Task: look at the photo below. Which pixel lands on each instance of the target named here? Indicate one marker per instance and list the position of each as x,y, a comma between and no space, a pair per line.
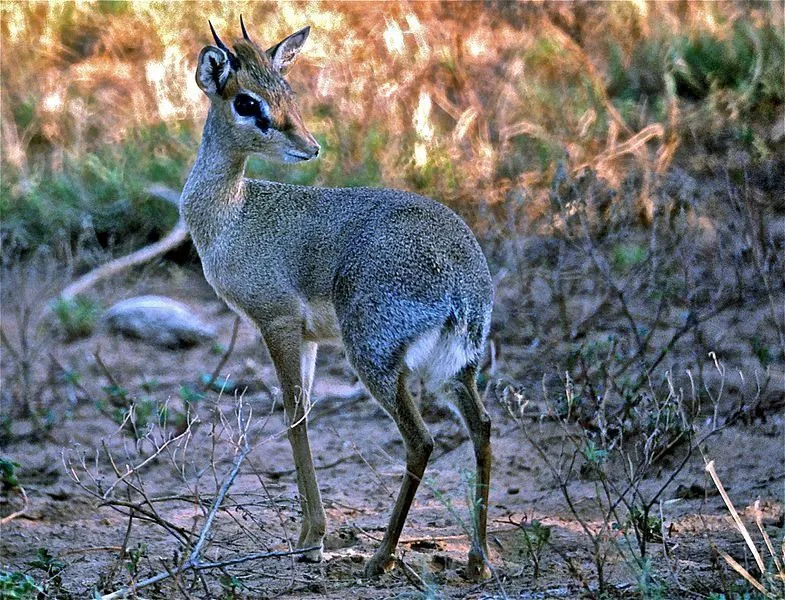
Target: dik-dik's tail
440,353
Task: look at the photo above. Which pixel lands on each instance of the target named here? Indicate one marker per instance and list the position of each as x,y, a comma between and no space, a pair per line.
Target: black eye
246,106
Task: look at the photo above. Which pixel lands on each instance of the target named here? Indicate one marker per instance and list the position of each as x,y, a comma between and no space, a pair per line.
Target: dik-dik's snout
304,146
311,147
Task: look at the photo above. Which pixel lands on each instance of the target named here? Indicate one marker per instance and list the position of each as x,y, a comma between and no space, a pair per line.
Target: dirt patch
359,457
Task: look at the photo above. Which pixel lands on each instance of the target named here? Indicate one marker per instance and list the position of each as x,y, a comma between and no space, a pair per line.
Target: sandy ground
359,457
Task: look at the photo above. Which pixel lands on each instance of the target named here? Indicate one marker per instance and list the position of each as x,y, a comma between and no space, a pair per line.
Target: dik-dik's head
251,98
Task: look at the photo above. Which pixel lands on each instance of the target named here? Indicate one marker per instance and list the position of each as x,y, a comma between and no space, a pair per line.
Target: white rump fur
437,356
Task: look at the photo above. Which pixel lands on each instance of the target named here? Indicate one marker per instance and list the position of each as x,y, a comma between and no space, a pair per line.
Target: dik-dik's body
397,278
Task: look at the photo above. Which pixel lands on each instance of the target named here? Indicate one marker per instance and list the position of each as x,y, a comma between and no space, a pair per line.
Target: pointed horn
242,26
233,61
218,41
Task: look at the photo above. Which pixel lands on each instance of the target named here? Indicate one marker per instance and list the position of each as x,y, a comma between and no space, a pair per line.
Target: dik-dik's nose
312,147
305,145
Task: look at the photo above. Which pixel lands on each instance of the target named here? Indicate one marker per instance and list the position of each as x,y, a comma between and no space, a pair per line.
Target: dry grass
463,101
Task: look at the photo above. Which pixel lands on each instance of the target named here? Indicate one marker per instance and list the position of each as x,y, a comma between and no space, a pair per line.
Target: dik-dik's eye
247,106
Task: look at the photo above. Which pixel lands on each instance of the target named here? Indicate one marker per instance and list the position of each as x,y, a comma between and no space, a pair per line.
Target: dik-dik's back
398,278
381,268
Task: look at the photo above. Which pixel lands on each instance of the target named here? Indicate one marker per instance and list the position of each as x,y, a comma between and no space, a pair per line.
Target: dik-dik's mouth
297,156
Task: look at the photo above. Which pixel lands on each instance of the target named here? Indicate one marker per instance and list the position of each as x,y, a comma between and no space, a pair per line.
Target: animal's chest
260,300
319,321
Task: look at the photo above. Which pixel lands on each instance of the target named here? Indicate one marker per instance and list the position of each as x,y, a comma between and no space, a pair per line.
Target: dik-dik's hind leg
294,363
419,445
479,424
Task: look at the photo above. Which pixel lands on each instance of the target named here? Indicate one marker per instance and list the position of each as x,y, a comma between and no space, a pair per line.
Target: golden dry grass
464,101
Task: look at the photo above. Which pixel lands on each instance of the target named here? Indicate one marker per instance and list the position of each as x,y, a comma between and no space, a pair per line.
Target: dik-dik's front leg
294,362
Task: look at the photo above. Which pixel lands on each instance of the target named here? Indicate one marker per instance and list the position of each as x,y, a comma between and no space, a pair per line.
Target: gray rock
158,320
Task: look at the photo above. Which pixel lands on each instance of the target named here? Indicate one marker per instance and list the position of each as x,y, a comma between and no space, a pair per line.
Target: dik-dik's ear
285,51
213,70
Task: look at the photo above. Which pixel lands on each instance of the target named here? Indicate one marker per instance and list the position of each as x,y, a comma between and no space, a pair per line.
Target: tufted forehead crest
251,57
255,72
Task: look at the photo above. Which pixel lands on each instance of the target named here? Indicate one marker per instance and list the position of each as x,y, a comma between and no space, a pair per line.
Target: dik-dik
398,279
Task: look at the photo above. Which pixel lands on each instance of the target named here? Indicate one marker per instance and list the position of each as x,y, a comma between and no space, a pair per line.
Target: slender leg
419,445
478,423
294,362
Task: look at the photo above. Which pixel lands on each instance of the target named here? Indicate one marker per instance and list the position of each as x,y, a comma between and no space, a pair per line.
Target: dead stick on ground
412,575
18,513
190,565
174,238
735,515
100,362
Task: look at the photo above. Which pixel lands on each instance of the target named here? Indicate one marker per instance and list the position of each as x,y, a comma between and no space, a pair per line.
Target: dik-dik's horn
242,26
232,58
218,41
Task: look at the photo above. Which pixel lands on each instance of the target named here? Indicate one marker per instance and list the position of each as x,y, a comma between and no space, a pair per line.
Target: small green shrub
52,568
145,410
231,586
15,585
77,316
648,527
534,537
47,563
628,255
104,191
219,384
8,477
190,395
762,351
134,557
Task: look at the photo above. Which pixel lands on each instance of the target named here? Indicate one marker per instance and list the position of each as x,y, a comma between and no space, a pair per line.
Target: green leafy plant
15,585
649,527
134,557
77,316
116,395
219,383
145,409
629,255
52,567
593,453
140,415
230,586
5,429
190,395
150,385
8,477
762,351
534,538
46,562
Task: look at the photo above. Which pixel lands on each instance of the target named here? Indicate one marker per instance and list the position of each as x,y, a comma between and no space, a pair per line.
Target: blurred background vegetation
622,164
472,103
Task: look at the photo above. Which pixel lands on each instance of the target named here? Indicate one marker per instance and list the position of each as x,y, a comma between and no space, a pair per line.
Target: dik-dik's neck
213,191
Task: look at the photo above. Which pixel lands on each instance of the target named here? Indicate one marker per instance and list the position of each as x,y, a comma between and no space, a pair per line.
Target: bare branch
174,238
216,372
